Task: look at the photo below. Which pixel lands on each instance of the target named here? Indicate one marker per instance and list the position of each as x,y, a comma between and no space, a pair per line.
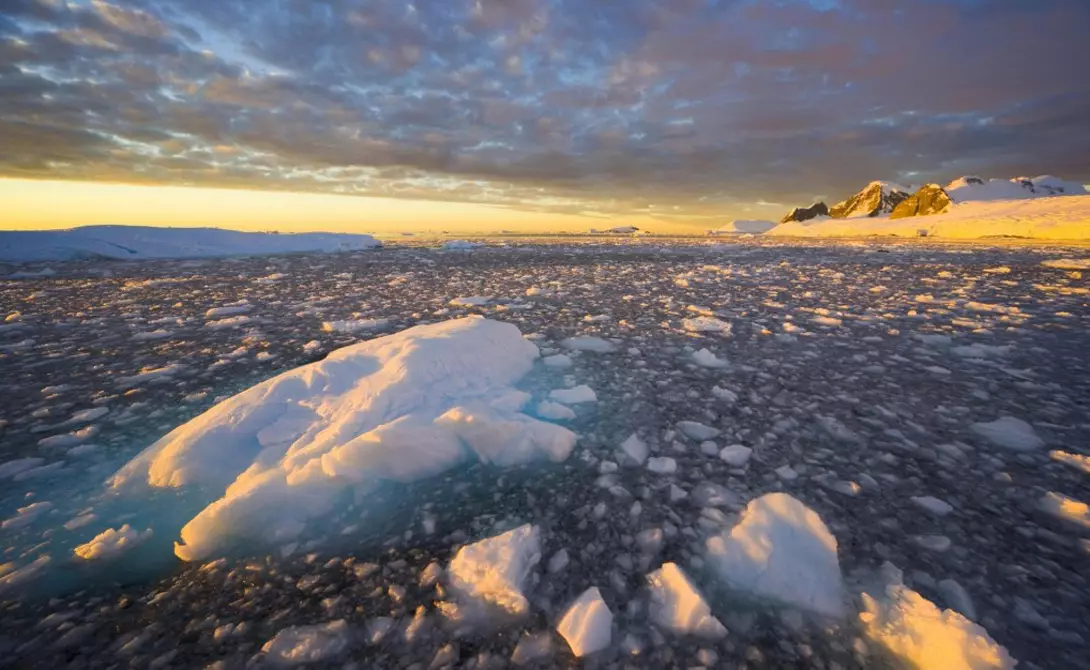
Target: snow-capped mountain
970,188
877,198
930,199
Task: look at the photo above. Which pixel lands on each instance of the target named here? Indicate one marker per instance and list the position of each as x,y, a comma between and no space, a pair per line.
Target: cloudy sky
685,111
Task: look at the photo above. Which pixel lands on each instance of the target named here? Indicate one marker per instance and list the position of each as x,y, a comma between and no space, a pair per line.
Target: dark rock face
973,180
930,199
877,198
807,213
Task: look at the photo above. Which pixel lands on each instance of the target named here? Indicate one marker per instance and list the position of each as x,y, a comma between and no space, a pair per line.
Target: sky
375,115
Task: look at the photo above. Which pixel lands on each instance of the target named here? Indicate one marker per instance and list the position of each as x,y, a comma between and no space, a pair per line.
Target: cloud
698,107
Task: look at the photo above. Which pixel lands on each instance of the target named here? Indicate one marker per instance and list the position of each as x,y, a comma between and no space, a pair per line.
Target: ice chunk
933,505
1009,433
1077,461
662,465
697,431
354,325
706,324
923,636
554,411
1062,507
587,625
494,571
781,550
635,449
707,359
574,396
26,516
461,245
532,647
736,455
557,361
471,301
111,543
308,644
400,407
677,606
589,343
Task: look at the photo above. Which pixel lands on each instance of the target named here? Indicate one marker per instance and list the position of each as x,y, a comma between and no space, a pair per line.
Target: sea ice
308,644
781,550
1009,433
587,625
401,407
111,543
494,571
676,605
923,636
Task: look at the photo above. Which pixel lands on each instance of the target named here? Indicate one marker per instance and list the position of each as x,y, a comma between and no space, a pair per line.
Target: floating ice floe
1077,461
574,396
913,629
461,245
587,624
308,644
1009,433
354,325
112,543
1067,509
589,343
707,359
677,606
494,571
706,324
783,551
402,407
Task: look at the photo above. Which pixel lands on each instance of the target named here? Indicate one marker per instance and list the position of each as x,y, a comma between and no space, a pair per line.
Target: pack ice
402,407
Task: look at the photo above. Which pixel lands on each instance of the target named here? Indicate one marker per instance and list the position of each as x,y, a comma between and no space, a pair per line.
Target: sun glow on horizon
30,204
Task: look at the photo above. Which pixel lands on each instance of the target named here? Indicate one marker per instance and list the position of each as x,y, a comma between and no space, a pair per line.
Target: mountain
144,242
975,189
744,227
930,199
800,214
619,230
878,197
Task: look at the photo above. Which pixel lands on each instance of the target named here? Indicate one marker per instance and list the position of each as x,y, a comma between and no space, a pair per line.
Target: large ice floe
921,635
781,550
284,454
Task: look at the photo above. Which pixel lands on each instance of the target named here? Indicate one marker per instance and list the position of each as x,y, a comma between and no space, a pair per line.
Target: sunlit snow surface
856,381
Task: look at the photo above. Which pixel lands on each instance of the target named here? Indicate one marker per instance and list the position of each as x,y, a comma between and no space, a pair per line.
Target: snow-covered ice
783,551
401,407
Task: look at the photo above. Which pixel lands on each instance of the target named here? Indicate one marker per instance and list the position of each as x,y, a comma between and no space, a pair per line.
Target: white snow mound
923,636
401,407
494,571
781,550
676,605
